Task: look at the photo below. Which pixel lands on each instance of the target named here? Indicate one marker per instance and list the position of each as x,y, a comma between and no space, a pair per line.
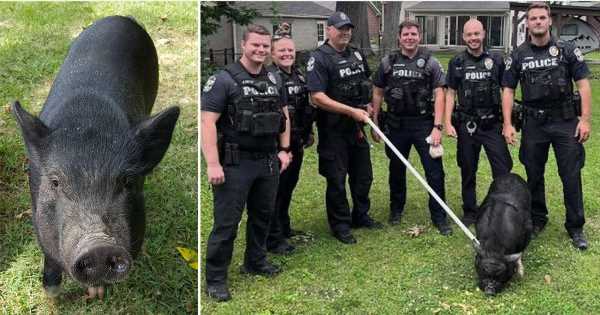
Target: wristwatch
285,149
439,127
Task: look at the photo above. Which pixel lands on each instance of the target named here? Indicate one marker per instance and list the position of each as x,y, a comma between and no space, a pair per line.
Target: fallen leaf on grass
23,214
547,279
415,231
164,18
190,256
164,41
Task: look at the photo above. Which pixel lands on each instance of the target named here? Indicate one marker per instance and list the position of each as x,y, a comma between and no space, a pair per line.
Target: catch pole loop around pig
424,183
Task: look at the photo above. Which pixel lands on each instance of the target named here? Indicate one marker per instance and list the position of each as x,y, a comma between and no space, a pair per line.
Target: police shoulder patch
209,83
489,63
271,77
310,64
578,54
508,63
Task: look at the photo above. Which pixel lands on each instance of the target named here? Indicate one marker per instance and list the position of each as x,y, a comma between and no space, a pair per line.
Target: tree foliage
212,11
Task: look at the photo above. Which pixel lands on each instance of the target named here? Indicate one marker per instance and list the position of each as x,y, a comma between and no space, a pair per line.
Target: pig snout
101,263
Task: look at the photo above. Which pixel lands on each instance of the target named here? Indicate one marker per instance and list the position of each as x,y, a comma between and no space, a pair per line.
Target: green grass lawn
34,39
390,272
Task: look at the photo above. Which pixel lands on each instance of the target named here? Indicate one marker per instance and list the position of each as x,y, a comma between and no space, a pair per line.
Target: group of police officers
257,120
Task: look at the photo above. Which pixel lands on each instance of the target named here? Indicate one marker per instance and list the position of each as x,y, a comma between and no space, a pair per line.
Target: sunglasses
280,36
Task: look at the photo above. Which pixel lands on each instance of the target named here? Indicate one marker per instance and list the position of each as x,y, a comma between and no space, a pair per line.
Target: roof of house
459,6
288,8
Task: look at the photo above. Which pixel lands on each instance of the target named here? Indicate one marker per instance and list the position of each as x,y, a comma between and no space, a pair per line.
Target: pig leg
52,277
520,268
92,292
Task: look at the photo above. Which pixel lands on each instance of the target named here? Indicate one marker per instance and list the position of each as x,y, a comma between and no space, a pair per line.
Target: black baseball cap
339,19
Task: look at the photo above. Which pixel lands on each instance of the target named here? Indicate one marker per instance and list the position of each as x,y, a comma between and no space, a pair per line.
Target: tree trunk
357,12
391,20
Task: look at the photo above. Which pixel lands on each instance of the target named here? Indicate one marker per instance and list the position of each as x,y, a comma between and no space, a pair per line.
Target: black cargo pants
280,222
412,131
468,150
253,182
344,154
537,137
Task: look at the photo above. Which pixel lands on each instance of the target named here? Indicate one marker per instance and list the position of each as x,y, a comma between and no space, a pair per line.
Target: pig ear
150,140
32,129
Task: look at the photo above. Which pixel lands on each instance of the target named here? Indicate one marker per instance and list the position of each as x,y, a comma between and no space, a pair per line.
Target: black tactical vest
479,89
254,117
300,111
545,79
349,84
409,91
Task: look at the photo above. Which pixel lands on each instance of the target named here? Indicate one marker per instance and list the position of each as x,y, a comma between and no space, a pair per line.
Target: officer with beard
408,80
475,75
338,81
553,114
244,115
283,53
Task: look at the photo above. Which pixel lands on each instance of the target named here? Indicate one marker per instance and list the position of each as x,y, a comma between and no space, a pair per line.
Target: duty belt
543,114
474,121
255,155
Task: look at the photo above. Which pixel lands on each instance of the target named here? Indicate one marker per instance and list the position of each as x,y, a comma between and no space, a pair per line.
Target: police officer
283,53
546,69
476,75
243,115
337,78
407,80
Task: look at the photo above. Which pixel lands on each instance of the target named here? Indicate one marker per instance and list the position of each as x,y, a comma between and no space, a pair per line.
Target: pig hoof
93,292
52,291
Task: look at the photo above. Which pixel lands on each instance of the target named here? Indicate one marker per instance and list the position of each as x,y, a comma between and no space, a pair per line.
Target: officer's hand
583,131
285,159
436,137
508,131
309,141
359,115
215,173
375,136
450,131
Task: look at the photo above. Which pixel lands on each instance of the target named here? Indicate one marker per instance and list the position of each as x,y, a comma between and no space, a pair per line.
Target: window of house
320,32
569,30
494,30
429,27
454,29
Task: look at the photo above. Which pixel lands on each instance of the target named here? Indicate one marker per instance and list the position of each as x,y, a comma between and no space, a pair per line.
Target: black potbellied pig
89,151
504,230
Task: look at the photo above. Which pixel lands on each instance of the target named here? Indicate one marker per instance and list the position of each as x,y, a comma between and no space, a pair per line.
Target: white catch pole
424,183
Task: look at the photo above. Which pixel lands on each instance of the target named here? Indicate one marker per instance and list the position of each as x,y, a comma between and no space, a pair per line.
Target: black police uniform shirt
438,78
453,79
319,69
544,57
220,88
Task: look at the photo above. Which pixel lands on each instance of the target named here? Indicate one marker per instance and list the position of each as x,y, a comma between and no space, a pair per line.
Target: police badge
271,78
310,64
508,63
489,63
553,51
209,83
357,54
421,63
